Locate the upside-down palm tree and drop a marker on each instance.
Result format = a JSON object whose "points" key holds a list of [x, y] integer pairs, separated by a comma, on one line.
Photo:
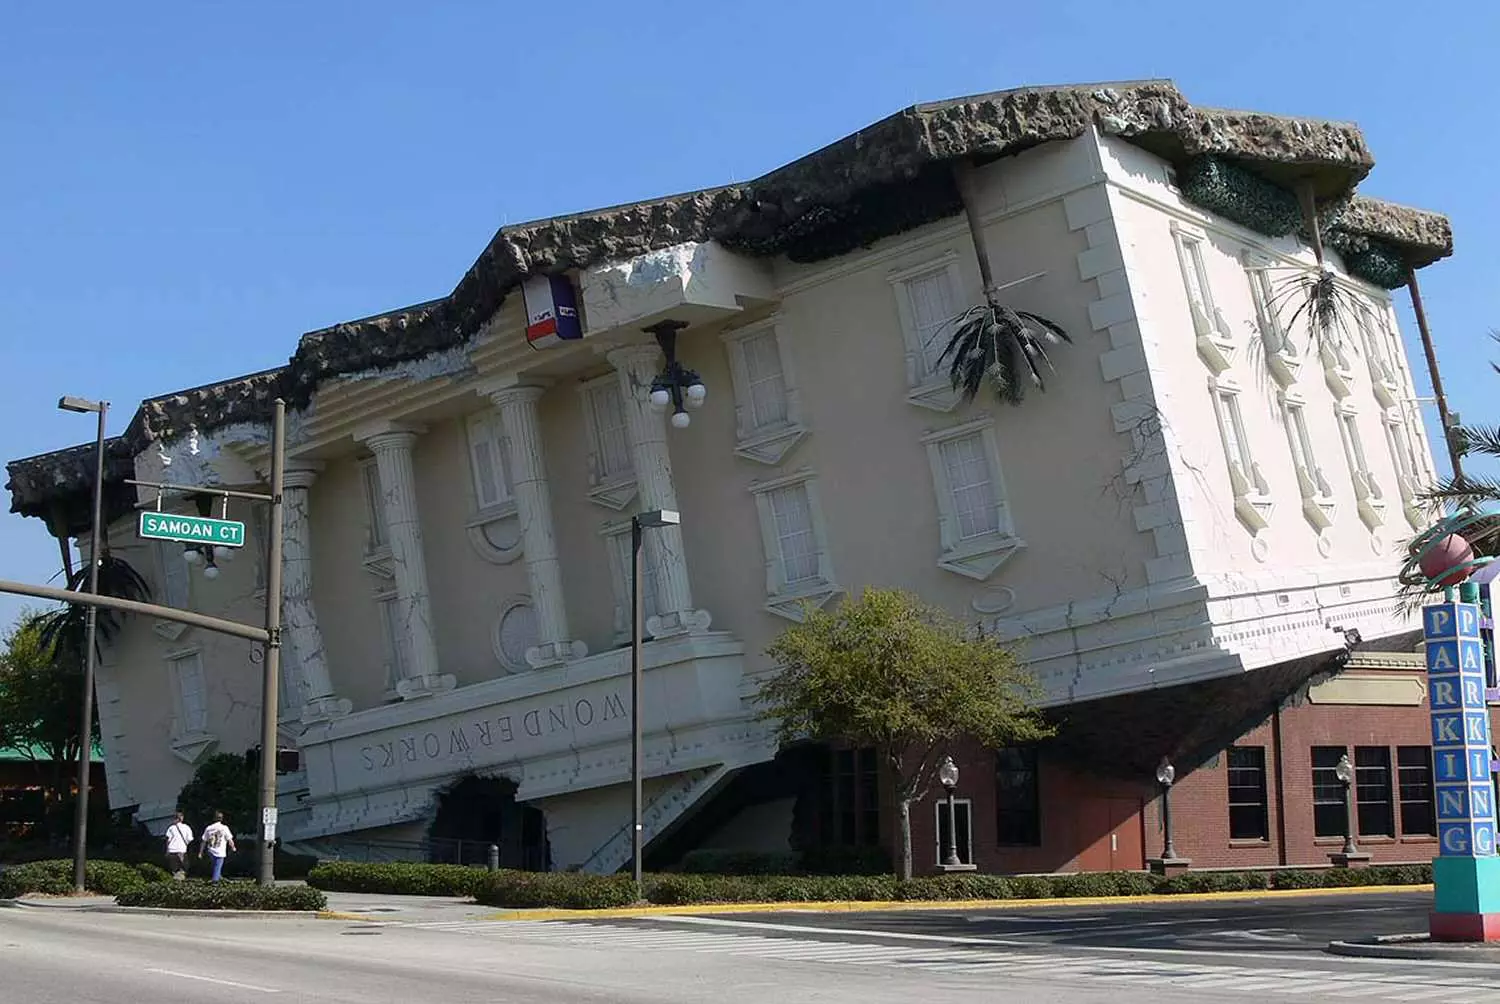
{"points": [[992, 342], [1316, 293], [65, 631]]}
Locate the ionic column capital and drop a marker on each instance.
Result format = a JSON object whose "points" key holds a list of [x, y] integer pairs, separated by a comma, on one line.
{"points": [[641, 361], [380, 436], [301, 473]]}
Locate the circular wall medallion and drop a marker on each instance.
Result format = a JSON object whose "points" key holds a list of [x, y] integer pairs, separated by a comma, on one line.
{"points": [[1377, 544], [994, 600], [1325, 546], [1260, 548], [515, 632]]}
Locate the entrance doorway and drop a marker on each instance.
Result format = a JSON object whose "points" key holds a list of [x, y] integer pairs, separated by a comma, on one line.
{"points": [[475, 812], [1113, 829]]}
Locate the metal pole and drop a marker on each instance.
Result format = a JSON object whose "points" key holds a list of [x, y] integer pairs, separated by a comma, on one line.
{"points": [[1454, 457], [273, 654], [216, 624], [1349, 847], [636, 732], [1168, 852], [86, 735], [950, 851]]}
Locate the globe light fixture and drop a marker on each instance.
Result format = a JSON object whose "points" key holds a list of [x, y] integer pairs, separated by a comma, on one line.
{"points": [[696, 393], [223, 554], [1165, 773], [676, 386], [660, 398], [681, 420], [211, 572], [192, 556], [947, 773]]}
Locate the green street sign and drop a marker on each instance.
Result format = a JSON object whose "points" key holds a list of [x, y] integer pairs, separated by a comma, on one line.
{"points": [[192, 529]]}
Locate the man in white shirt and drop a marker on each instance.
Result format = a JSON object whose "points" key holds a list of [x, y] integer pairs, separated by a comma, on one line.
{"points": [[218, 841], [179, 836]]}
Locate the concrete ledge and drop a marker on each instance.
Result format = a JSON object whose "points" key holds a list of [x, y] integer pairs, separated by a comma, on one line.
{"points": [[1417, 946], [896, 906]]}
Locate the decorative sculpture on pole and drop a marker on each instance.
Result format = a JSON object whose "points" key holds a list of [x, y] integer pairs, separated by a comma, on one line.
{"points": [[1459, 642]]}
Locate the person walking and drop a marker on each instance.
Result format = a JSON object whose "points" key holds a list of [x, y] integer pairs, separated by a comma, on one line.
{"points": [[218, 840], [179, 838]]}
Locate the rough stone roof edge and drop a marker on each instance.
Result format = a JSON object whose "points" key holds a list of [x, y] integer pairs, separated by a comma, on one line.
{"points": [[1153, 113]]}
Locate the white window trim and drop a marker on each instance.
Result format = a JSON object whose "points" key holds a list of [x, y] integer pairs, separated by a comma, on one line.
{"points": [[1211, 331], [617, 491], [771, 443], [1383, 382], [510, 603], [260, 533], [390, 657], [501, 516], [619, 569], [377, 558], [940, 816], [1282, 358], [926, 390], [976, 557], [782, 598], [1368, 497], [1404, 464], [1253, 504], [1318, 502], [188, 745], [167, 551]]}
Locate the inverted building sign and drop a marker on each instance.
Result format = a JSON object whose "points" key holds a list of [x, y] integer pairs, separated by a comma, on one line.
{"points": [[551, 311]]}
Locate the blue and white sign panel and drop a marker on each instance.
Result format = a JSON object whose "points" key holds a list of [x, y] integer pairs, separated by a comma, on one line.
{"points": [[1460, 730]]}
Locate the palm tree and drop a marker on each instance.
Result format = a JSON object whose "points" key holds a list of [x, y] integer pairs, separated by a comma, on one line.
{"points": [[1317, 293], [991, 341], [64, 631]]}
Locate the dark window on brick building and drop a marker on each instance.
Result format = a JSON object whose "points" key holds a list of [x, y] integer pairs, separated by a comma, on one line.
{"points": [[1247, 793], [1372, 795], [1328, 792], [1018, 804], [850, 807], [1414, 774]]}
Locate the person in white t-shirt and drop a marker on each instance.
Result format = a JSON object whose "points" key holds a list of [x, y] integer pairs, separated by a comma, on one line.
{"points": [[218, 841], [179, 836]]}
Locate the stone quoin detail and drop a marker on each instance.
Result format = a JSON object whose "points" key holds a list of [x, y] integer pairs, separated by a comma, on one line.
{"points": [[637, 366], [518, 414], [392, 448]]}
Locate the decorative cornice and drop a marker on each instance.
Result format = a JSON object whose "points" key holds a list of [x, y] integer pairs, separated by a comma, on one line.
{"points": [[881, 181]]}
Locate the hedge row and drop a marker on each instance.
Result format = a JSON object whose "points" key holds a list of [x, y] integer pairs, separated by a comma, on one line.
{"points": [[55, 878], [198, 895], [575, 890]]}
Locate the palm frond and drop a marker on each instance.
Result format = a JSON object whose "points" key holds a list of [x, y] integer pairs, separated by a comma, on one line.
{"points": [[65, 630], [1466, 491], [992, 342], [1317, 296], [1483, 439]]}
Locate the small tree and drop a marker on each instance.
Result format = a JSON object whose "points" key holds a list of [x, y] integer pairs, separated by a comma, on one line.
{"points": [[891, 672], [227, 783]]}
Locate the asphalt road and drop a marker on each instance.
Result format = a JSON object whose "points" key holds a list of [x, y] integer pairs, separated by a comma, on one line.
{"points": [[57, 957], [1270, 927]]}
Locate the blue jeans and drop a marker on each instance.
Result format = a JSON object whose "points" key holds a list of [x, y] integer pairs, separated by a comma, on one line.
{"points": [[218, 866]]}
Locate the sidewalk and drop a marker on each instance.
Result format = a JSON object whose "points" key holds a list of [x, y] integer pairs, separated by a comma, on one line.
{"points": [[1418, 946], [346, 905]]}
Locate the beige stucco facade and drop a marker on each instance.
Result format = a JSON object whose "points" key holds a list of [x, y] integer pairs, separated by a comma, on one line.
{"points": [[1147, 521]]}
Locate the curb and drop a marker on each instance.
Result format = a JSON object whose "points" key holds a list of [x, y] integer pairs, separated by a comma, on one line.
{"points": [[1416, 947], [157, 911], [897, 906]]}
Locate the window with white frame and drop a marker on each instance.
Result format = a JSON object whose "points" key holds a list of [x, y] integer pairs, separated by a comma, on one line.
{"points": [[974, 523], [1190, 259], [963, 829], [176, 586], [1404, 462], [1367, 491], [394, 639], [617, 539], [260, 534], [1377, 352], [191, 692], [1317, 493], [611, 471], [767, 412], [489, 460], [1267, 317], [378, 537], [1252, 494], [929, 298], [799, 569]]}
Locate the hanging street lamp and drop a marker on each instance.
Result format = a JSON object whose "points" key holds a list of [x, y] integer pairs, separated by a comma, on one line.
{"points": [[675, 386]]}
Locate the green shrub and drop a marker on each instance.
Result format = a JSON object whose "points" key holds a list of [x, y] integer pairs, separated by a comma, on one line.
{"points": [[55, 878], [971, 885], [151, 872], [1200, 882], [196, 895], [1096, 885], [397, 878], [1031, 887], [561, 890], [1298, 879], [836, 860], [711, 862]]}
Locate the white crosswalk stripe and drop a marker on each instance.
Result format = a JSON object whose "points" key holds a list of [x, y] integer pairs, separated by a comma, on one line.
{"points": [[950, 961]]}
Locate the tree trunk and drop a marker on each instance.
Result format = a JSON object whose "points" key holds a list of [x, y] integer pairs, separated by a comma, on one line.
{"points": [[1309, 205], [904, 814], [963, 180]]}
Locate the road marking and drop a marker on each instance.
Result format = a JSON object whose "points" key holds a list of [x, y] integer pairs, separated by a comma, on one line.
{"points": [[211, 979]]}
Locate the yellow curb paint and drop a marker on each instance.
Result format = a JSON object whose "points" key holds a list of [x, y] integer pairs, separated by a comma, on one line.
{"points": [[856, 906], [336, 915]]}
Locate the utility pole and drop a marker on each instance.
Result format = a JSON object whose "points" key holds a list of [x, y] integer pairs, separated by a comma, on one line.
{"points": [[270, 686]]}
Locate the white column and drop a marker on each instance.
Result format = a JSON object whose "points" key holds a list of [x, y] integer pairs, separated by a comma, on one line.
{"points": [[299, 620], [518, 416], [398, 490], [637, 366]]}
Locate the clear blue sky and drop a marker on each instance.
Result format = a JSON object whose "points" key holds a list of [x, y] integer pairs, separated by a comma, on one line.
{"points": [[186, 188]]}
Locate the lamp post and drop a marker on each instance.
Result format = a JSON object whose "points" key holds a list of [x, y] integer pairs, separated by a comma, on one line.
{"points": [[1165, 775], [948, 778], [652, 519], [86, 733], [1344, 771], [676, 385]]}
